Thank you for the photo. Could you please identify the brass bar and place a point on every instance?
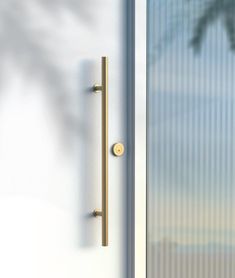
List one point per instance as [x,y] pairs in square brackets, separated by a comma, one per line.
[104,151]
[104,90]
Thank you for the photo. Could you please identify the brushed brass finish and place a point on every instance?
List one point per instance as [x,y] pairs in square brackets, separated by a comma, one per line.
[97,212]
[97,88]
[118,149]
[104,90]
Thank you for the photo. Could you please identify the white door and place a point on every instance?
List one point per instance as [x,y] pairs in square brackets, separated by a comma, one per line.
[50,138]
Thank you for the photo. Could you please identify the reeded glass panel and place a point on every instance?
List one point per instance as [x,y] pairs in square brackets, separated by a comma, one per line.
[191,139]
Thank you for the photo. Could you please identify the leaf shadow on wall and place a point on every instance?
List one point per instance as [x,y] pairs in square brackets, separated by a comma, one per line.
[26,47]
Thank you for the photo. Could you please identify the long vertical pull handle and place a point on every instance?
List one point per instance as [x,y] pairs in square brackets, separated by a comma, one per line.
[103,88]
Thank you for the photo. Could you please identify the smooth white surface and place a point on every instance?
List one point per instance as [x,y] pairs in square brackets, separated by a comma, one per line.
[140,139]
[50,139]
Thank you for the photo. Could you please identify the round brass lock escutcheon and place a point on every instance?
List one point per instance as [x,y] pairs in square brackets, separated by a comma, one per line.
[118,149]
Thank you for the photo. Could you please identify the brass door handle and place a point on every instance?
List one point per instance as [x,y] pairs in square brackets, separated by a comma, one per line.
[103,88]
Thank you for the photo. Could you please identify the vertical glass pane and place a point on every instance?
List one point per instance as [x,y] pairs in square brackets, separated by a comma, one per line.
[191,138]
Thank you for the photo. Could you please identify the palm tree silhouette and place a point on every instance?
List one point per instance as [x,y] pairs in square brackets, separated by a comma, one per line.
[214,10]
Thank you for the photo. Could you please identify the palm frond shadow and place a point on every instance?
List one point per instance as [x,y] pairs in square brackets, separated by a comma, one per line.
[23,46]
[81,9]
[194,17]
[214,10]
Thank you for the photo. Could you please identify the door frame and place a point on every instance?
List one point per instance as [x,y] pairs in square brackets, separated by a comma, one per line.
[136,75]
[140,139]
